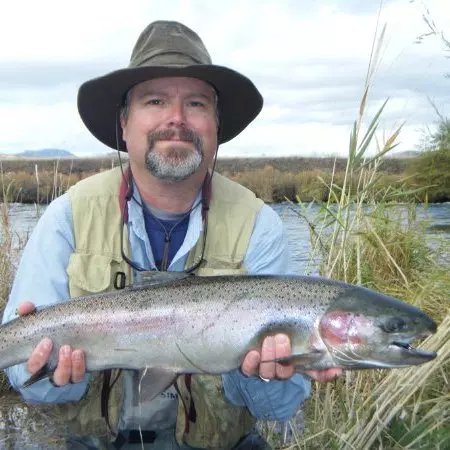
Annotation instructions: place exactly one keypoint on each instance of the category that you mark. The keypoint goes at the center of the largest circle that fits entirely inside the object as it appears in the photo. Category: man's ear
(123, 123)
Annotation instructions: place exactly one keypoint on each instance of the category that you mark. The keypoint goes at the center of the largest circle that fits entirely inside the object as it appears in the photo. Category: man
(168, 210)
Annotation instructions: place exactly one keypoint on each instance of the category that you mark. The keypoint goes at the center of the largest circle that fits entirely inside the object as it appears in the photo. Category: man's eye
(155, 101)
(197, 104)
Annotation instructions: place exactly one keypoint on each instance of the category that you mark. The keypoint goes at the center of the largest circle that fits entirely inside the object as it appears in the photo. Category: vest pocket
(89, 273)
(222, 265)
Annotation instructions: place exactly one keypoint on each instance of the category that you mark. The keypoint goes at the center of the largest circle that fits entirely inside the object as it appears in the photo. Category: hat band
(171, 59)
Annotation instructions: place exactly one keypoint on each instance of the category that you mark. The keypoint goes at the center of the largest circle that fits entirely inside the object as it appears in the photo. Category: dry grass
(42, 180)
(273, 185)
(272, 179)
(6, 252)
(39, 187)
(6, 240)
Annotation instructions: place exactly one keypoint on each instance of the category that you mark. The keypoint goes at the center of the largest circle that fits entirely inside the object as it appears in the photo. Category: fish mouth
(409, 350)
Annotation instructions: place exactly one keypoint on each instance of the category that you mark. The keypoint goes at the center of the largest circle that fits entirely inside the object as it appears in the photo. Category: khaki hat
(167, 49)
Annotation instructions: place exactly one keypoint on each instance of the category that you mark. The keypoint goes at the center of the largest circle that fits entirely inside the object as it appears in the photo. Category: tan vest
(92, 268)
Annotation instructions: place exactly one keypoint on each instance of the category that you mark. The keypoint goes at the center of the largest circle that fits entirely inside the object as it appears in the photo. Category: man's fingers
(40, 354)
(324, 376)
(250, 364)
(25, 308)
(274, 347)
(263, 363)
(268, 353)
(282, 350)
(71, 365)
(63, 371)
(78, 366)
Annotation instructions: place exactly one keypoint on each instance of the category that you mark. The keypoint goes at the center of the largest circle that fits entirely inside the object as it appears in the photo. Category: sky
(309, 59)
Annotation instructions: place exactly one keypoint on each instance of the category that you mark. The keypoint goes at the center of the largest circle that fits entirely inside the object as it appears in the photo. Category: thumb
(25, 308)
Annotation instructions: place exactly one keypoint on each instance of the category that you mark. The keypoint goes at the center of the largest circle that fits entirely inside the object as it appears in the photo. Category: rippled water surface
(30, 427)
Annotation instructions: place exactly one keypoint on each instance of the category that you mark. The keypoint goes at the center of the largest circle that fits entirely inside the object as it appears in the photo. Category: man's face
(171, 126)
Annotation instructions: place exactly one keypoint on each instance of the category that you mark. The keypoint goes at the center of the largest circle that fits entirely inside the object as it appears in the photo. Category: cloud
(49, 74)
(308, 58)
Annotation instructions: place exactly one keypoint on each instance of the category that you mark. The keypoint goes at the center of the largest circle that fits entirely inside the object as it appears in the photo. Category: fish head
(366, 329)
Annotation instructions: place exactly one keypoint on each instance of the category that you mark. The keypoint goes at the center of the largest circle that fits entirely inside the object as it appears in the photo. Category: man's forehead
(175, 84)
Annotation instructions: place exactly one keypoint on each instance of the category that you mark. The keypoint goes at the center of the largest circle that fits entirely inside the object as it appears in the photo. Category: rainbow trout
(187, 324)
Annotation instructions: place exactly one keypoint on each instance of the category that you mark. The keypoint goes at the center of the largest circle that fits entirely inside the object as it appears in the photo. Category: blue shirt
(42, 278)
(165, 232)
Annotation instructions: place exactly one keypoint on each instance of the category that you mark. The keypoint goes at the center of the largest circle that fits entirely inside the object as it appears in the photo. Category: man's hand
(71, 367)
(279, 346)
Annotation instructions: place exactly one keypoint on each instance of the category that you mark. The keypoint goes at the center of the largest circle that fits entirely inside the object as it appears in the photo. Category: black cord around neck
(204, 201)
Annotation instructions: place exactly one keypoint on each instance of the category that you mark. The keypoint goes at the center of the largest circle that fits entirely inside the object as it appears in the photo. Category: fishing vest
(205, 419)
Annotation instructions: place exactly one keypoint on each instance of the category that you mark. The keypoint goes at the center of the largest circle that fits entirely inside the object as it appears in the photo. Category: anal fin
(157, 380)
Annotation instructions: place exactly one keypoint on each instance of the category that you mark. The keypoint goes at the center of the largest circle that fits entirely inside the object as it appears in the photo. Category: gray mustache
(184, 134)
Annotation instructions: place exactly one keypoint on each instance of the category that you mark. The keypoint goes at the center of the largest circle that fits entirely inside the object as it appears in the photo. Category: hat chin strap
(118, 149)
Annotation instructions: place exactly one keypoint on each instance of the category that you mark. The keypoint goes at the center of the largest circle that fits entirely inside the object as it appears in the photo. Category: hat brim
(100, 99)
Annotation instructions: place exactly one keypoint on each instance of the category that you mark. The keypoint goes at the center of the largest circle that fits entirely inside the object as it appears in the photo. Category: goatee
(177, 163)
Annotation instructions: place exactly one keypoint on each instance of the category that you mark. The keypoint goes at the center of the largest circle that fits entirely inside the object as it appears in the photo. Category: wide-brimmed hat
(167, 49)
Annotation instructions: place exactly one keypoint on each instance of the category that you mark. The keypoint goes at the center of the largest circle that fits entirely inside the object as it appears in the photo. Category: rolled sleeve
(43, 391)
(42, 279)
(275, 400)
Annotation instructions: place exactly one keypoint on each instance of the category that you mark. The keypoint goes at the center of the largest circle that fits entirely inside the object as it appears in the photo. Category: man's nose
(176, 114)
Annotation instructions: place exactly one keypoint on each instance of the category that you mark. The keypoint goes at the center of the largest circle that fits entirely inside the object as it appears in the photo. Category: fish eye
(394, 325)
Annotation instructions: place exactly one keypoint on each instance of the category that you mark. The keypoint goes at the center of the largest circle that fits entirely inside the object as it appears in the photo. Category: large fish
(189, 324)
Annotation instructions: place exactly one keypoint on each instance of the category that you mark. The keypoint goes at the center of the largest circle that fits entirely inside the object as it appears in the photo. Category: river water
(23, 218)
(35, 427)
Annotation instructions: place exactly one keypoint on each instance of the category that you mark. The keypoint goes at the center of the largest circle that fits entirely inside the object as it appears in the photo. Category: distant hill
(46, 153)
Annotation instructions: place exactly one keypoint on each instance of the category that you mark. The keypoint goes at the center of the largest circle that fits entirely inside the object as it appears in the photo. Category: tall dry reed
(360, 237)
(6, 251)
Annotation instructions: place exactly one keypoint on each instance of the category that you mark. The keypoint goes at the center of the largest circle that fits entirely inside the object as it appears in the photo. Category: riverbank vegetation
(272, 179)
(361, 236)
(7, 252)
(381, 245)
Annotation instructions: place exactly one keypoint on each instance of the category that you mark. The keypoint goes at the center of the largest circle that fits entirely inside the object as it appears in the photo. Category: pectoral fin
(44, 372)
(300, 360)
